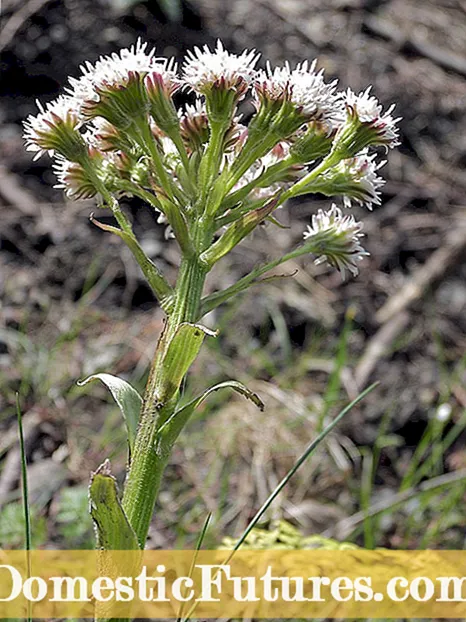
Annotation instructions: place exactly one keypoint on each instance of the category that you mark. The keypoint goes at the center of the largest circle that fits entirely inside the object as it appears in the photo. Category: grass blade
(24, 479)
(199, 542)
(301, 460)
(27, 515)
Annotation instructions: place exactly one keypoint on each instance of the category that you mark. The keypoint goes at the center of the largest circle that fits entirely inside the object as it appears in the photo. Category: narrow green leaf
(128, 399)
(114, 533)
(199, 542)
(155, 278)
(181, 352)
(182, 415)
(24, 478)
(310, 449)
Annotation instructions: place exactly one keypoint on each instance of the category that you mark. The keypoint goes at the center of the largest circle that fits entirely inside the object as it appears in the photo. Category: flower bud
(222, 78)
(312, 142)
(120, 103)
(288, 98)
(354, 179)
(105, 137)
(335, 239)
(161, 84)
(73, 179)
(365, 125)
(113, 87)
(56, 129)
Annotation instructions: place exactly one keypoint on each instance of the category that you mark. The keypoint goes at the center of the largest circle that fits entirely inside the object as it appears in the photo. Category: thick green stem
(210, 164)
(151, 450)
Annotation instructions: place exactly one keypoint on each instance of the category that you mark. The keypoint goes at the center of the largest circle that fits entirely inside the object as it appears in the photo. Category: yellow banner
(253, 584)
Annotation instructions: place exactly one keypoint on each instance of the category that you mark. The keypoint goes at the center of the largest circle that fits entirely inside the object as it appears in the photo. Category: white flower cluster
(338, 236)
(204, 69)
(117, 128)
(37, 128)
(305, 88)
(116, 70)
(368, 110)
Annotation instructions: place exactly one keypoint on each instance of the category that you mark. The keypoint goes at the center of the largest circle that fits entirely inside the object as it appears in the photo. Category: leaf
(181, 352)
(128, 399)
(182, 415)
(114, 533)
(155, 278)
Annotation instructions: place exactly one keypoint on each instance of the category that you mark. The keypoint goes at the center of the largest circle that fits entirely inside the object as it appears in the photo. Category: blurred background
(73, 301)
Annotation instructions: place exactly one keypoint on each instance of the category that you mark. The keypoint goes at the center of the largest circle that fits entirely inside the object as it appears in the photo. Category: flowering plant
(117, 132)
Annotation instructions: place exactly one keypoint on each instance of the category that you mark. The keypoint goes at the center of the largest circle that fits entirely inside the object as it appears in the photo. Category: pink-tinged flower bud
(56, 129)
(312, 141)
(72, 178)
(105, 137)
(120, 103)
(113, 87)
(366, 125)
(194, 126)
(161, 84)
(335, 239)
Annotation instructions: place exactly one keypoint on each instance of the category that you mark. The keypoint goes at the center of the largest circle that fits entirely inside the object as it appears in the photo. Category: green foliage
(282, 535)
(128, 399)
(13, 526)
(114, 533)
(74, 523)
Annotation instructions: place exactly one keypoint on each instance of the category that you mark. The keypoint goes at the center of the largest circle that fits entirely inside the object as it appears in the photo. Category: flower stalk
(117, 133)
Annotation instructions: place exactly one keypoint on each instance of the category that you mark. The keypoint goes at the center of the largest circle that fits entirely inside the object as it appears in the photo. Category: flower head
(118, 131)
(73, 179)
(162, 76)
(363, 182)
(161, 84)
(55, 129)
(112, 71)
(205, 70)
(312, 141)
(103, 136)
(114, 87)
(194, 126)
(302, 87)
(354, 178)
(366, 125)
(335, 238)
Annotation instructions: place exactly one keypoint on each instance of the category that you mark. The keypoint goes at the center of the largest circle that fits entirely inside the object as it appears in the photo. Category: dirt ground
(72, 301)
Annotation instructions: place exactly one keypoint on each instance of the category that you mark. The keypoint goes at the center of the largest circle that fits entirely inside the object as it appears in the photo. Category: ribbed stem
(151, 453)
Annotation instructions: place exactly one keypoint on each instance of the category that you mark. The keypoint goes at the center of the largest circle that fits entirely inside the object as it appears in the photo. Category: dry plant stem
(151, 450)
